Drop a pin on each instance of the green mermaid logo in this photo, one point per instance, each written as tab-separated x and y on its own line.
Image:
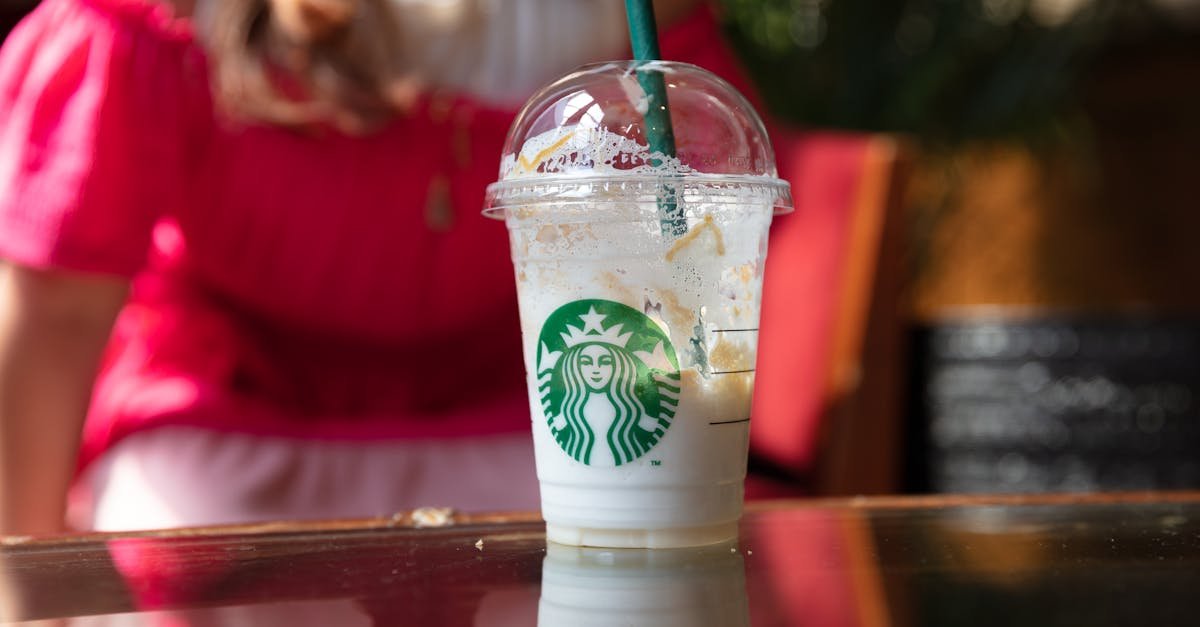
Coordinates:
608	380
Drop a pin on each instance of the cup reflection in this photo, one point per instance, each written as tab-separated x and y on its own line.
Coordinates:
693	587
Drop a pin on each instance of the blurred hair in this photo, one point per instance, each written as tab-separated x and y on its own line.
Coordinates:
299	62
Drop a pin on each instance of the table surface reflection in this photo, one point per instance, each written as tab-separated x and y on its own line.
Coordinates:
1051	560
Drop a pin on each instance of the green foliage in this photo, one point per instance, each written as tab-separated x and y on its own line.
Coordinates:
938	69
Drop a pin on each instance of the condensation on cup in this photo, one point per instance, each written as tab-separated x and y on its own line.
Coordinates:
639	276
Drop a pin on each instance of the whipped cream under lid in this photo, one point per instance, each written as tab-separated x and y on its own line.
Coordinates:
585	133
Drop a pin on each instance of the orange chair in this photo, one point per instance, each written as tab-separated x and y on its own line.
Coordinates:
829	390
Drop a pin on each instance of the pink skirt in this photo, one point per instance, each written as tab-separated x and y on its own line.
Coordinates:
176	476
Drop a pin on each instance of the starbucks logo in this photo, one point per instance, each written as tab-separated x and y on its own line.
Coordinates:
608	380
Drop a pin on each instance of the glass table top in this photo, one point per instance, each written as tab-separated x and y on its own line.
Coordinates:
1052	560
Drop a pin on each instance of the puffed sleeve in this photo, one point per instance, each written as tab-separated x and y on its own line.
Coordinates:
90	133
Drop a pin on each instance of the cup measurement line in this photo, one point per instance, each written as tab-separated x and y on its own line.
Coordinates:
734	330
732	371
729	422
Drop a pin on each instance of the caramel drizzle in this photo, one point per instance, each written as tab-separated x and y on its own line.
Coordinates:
691	236
527	165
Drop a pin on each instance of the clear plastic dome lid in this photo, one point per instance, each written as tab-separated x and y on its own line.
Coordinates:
589	129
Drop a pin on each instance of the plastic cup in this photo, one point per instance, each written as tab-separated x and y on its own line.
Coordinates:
639	336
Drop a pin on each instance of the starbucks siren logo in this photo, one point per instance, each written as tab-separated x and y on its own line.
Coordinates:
608	379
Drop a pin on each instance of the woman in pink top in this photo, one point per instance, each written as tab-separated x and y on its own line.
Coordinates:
274	208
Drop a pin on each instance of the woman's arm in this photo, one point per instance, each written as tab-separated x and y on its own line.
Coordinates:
53	327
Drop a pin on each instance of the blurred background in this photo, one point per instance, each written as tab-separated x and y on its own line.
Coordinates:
1048	229
1023	312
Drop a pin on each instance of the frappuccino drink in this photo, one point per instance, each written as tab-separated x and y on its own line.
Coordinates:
639	276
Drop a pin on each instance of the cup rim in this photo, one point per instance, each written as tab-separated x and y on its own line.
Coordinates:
565	189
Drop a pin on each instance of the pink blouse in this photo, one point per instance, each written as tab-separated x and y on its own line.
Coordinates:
287	283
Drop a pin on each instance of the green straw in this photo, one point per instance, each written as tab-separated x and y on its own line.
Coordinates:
643	35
